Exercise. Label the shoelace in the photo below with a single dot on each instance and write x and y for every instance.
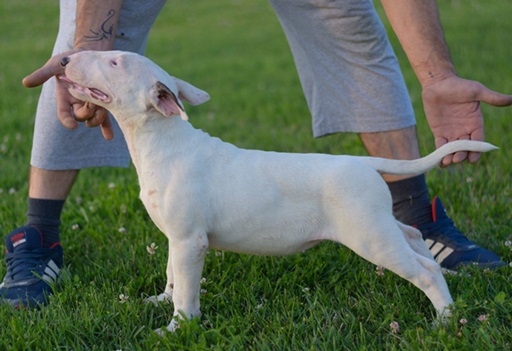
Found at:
(22, 263)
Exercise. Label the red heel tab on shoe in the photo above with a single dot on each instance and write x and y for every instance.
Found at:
(434, 211)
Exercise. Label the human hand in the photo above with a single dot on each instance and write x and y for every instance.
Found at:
(70, 110)
(452, 107)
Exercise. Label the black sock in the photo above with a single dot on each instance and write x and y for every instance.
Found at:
(45, 214)
(411, 201)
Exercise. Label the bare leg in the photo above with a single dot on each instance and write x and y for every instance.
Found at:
(51, 185)
(395, 144)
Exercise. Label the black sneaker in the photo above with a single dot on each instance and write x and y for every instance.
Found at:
(450, 248)
(31, 269)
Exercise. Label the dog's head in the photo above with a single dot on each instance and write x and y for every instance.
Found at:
(127, 84)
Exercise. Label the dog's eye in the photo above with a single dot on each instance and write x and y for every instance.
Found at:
(113, 63)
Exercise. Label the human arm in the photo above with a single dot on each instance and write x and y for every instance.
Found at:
(451, 104)
(96, 24)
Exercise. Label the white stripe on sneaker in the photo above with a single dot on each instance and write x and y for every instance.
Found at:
(438, 247)
(51, 272)
(439, 250)
(447, 252)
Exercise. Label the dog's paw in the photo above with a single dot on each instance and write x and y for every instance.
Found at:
(171, 328)
(156, 299)
(442, 319)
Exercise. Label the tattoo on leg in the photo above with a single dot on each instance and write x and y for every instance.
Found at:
(103, 33)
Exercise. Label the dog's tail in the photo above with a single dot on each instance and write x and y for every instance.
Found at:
(421, 165)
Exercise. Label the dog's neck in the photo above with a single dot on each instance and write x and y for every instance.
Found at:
(141, 132)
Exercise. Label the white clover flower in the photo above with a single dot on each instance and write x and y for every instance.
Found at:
(395, 327)
(122, 230)
(482, 318)
(75, 226)
(111, 185)
(123, 298)
(380, 271)
(12, 191)
(152, 249)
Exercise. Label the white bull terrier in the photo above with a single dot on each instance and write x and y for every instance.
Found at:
(203, 193)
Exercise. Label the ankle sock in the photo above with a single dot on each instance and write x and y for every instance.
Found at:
(45, 214)
(411, 201)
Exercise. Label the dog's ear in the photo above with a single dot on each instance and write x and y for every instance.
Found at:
(164, 101)
(191, 94)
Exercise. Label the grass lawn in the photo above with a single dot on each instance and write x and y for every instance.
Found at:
(325, 299)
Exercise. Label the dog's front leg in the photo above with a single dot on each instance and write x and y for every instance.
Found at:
(187, 266)
(166, 296)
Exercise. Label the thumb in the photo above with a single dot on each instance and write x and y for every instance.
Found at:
(106, 128)
(41, 75)
(494, 98)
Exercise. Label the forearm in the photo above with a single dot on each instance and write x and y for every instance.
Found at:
(418, 28)
(96, 23)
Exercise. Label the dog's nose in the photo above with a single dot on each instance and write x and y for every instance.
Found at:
(64, 61)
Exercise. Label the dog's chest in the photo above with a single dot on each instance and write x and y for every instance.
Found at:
(152, 199)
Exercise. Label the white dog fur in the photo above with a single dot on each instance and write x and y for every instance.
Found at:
(203, 193)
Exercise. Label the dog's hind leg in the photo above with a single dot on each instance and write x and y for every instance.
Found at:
(381, 241)
(415, 240)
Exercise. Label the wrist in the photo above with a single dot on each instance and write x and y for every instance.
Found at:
(429, 74)
(103, 45)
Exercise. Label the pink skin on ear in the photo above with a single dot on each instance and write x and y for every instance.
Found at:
(164, 101)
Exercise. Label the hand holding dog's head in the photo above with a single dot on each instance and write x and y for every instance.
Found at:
(69, 108)
(110, 80)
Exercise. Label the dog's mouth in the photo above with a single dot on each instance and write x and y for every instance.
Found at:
(93, 93)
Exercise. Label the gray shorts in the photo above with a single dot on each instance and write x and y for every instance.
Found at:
(349, 73)
(347, 68)
(57, 148)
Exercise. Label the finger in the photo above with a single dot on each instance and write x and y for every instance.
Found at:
(65, 114)
(106, 128)
(84, 111)
(101, 119)
(478, 135)
(447, 160)
(460, 156)
(473, 157)
(440, 141)
(494, 98)
(97, 118)
(41, 75)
